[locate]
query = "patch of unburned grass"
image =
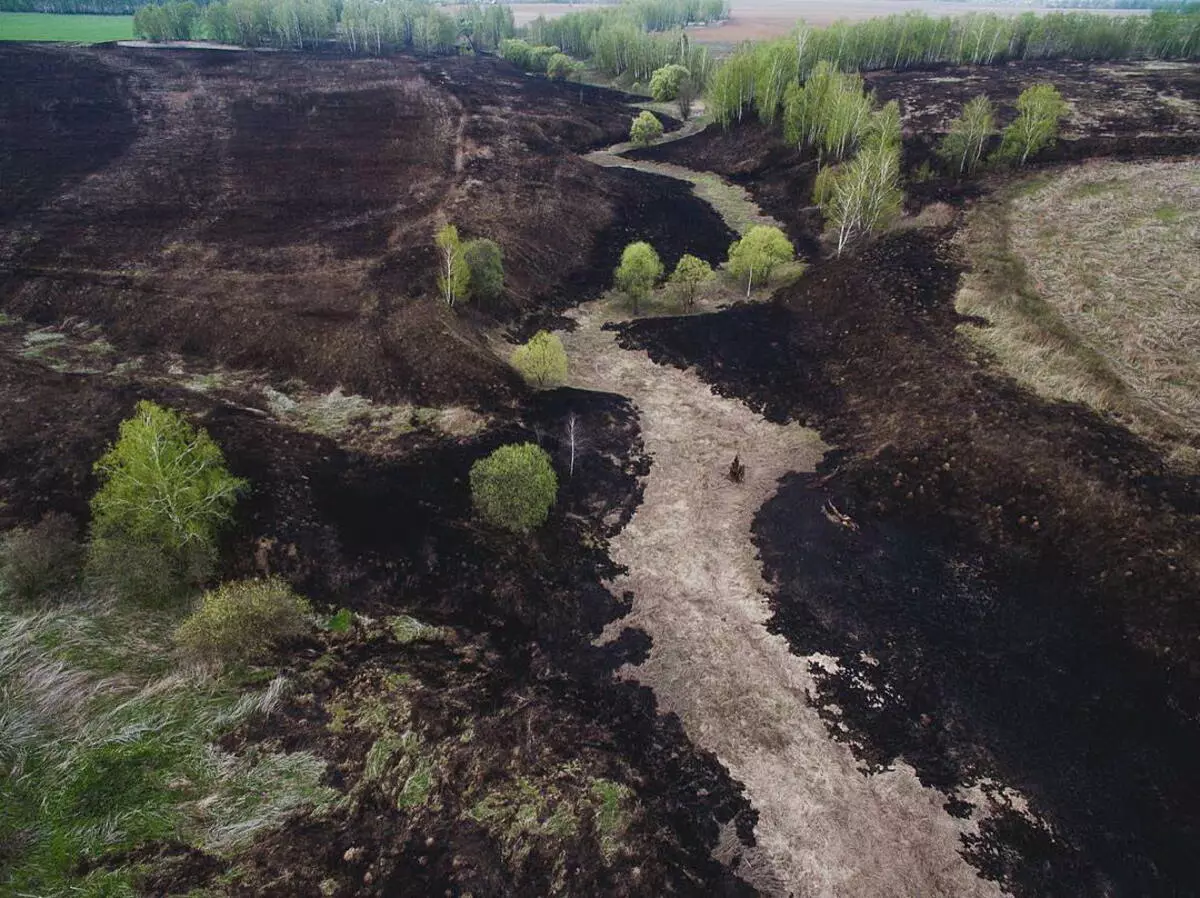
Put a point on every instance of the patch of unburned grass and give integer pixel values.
(34, 26)
(1090, 283)
(105, 745)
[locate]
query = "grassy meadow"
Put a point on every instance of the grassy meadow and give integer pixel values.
(36, 26)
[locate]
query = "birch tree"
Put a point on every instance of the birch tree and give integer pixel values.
(862, 196)
(758, 253)
(455, 275)
(1041, 110)
(962, 147)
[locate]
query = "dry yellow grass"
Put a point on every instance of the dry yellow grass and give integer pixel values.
(1091, 283)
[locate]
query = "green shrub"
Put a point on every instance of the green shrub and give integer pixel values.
(164, 487)
(485, 265)
(559, 67)
(638, 272)
(646, 129)
(690, 274)
(542, 361)
(243, 621)
(665, 82)
(40, 560)
(514, 487)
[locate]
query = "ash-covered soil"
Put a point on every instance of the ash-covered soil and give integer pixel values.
(510, 691)
(277, 211)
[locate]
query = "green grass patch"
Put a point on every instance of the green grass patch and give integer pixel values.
(106, 745)
(1168, 214)
(36, 26)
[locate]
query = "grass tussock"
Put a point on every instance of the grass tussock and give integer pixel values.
(1089, 283)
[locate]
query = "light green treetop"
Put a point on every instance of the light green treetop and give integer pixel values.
(514, 487)
(758, 253)
(639, 270)
(542, 361)
(689, 275)
(646, 128)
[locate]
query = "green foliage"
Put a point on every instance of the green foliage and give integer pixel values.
(514, 487)
(485, 266)
(379, 26)
(39, 561)
(271, 23)
(243, 621)
(542, 361)
(1041, 110)
(341, 622)
(527, 56)
(407, 629)
(178, 21)
(638, 272)
(105, 745)
(758, 253)
(646, 128)
(690, 274)
(560, 67)
(665, 82)
(164, 490)
(963, 144)
(862, 196)
(454, 277)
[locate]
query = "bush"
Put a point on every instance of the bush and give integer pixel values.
(646, 129)
(485, 264)
(243, 621)
(39, 560)
(514, 487)
(559, 67)
(665, 82)
(542, 361)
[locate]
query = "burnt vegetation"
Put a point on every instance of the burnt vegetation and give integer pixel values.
(309, 265)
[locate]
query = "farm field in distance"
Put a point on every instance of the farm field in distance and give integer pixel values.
(419, 480)
(81, 29)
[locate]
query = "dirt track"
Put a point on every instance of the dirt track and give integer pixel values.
(824, 829)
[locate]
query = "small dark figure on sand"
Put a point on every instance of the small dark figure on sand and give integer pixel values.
(737, 470)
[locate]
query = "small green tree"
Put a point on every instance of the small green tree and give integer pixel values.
(963, 144)
(689, 276)
(514, 487)
(638, 272)
(665, 82)
(1041, 110)
(455, 277)
(243, 621)
(685, 97)
(758, 253)
(542, 361)
(559, 67)
(485, 264)
(165, 489)
(646, 129)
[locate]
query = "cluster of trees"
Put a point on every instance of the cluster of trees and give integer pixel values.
(1040, 110)
(472, 269)
(757, 75)
(366, 26)
(530, 57)
(617, 41)
(753, 259)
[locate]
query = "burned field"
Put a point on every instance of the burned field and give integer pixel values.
(991, 588)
